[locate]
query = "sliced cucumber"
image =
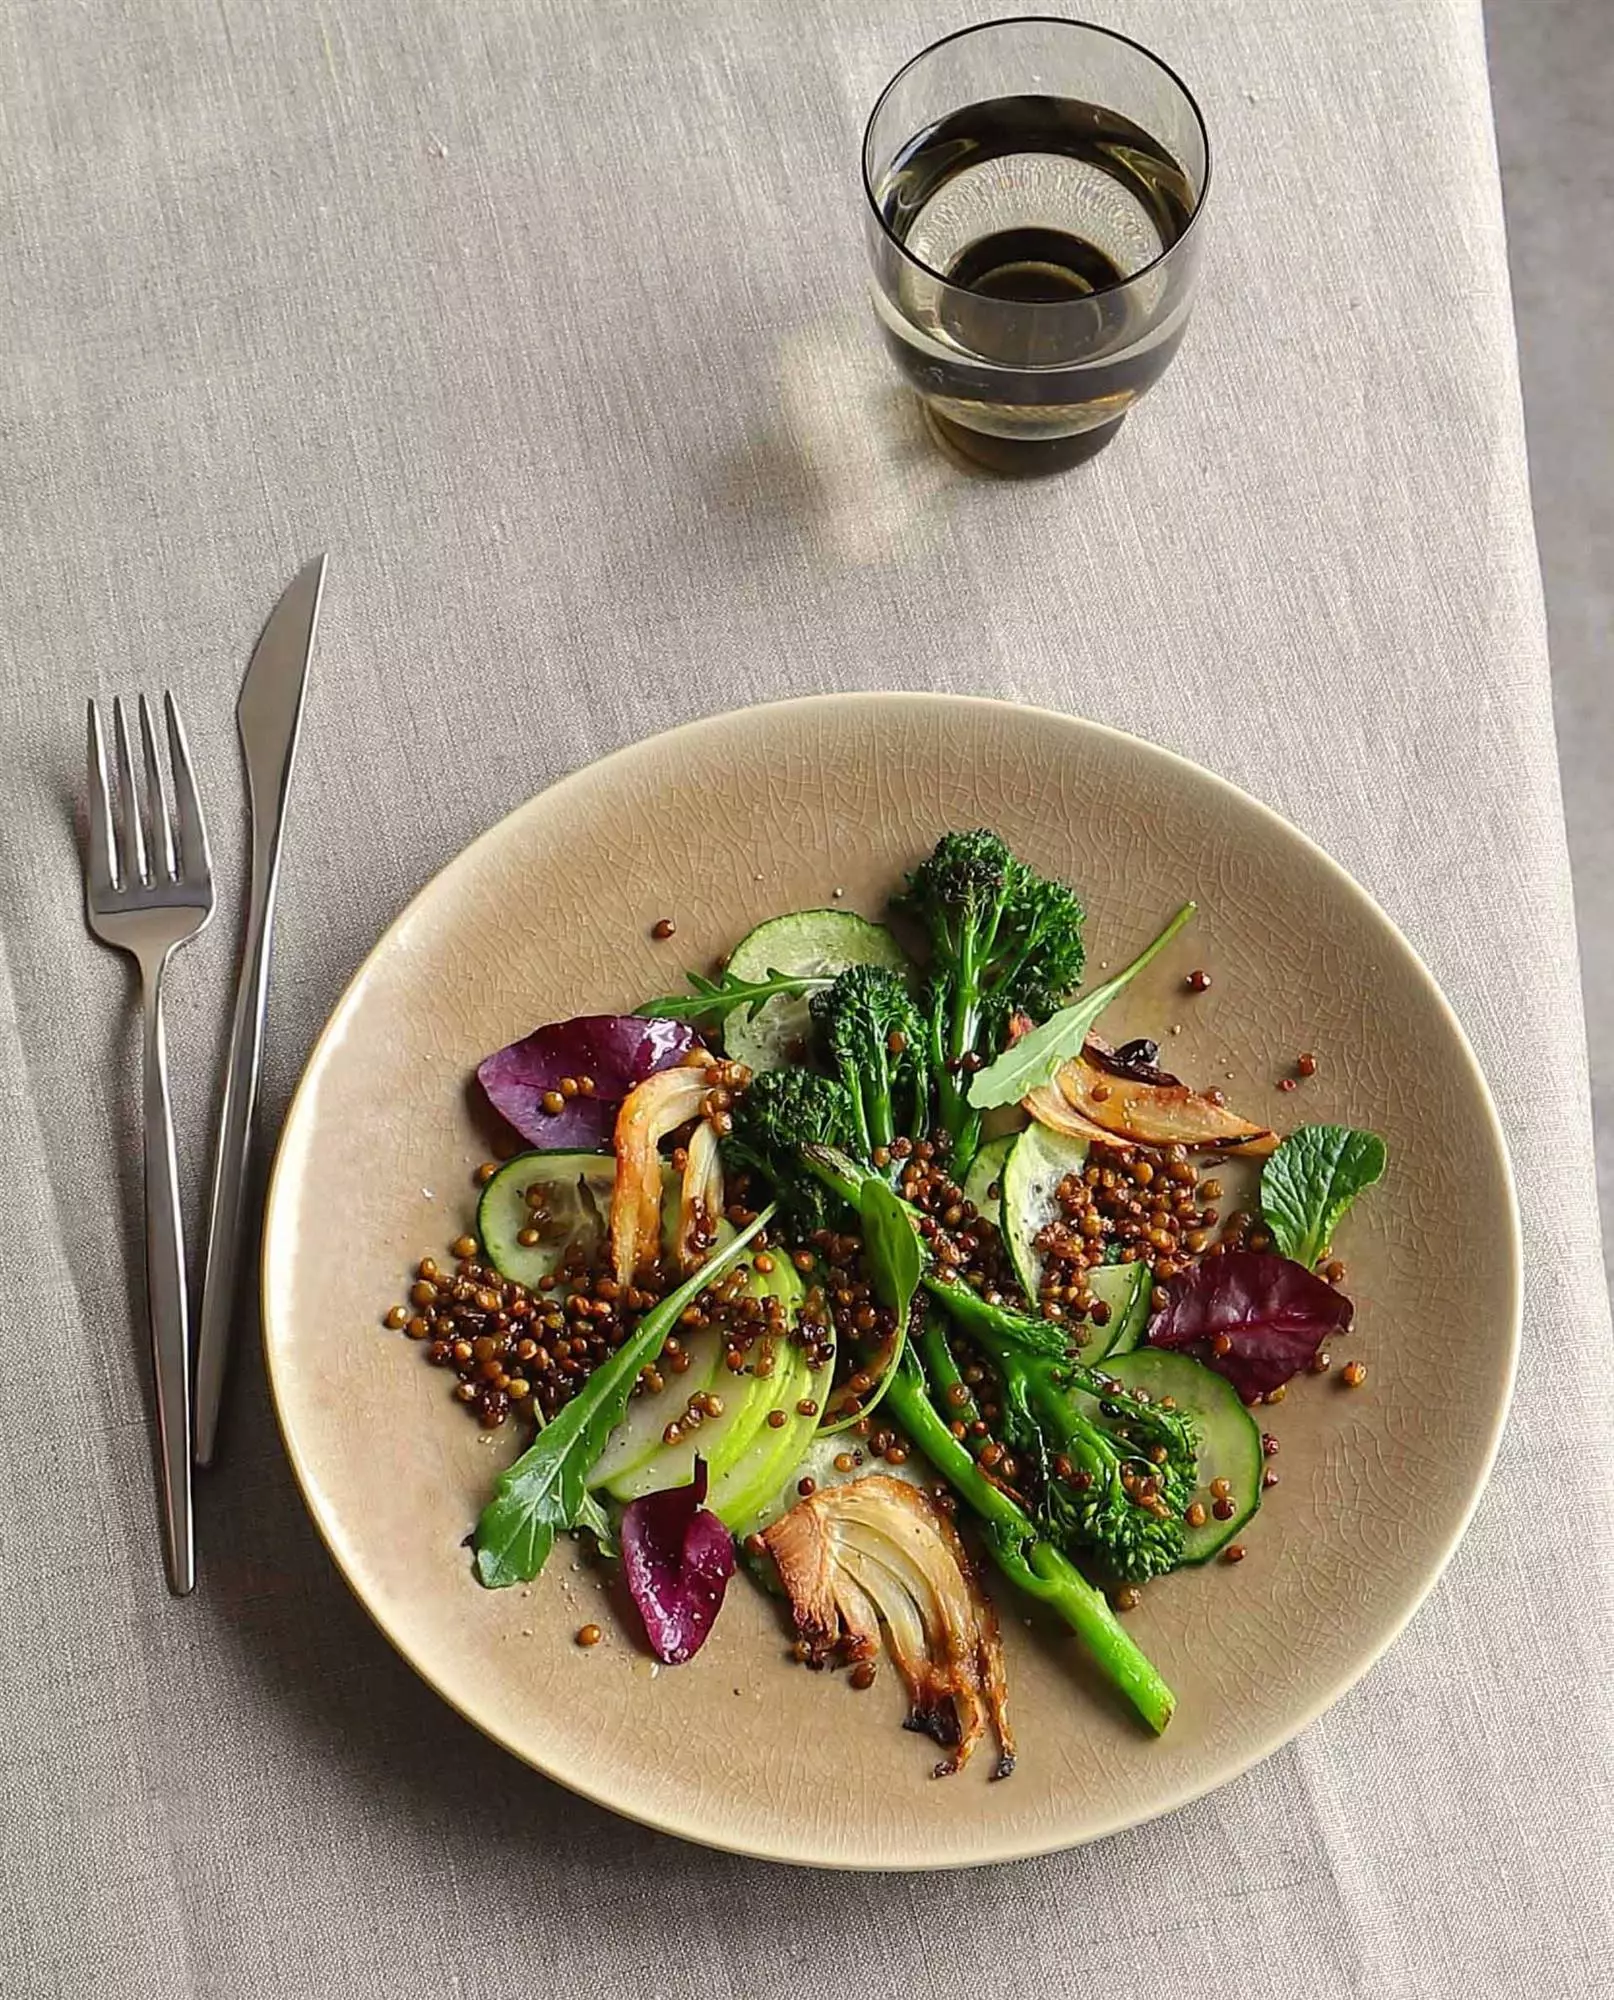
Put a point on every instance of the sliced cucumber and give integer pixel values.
(805, 944)
(1126, 1289)
(577, 1201)
(1038, 1161)
(983, 1184)
(1229, 1436)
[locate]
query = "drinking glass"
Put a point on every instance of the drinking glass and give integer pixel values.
(1035, 189)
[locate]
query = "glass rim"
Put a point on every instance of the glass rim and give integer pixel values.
(1051, 21)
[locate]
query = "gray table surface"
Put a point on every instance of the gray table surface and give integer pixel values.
(545, 319)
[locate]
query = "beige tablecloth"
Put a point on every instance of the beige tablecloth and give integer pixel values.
(545, 318)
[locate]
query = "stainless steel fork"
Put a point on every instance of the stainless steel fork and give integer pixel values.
(146, 892)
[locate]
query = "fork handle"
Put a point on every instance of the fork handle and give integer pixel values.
(165, 1303)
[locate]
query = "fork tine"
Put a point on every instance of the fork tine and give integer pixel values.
(103, 847)
(133, 844)
(195, 864)
(162, 832)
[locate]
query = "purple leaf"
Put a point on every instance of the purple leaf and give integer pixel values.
(678, 1559)
(615, 1050)
(1275, 1313)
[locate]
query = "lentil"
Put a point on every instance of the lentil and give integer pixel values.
(589, 1635)
(1233, 1553)
(1198, 980)
(1353, 1374)
(662, 929)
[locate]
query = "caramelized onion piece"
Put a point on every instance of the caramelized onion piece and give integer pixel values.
(877, 1559)
(649, 1112)
(1136, 1110)
(700, 1196)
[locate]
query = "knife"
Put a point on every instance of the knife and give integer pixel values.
(268, 713)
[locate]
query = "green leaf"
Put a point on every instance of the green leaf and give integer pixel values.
(1031, 1062)
(1309, 1183)
(896, 1262)
(891, 1244)
(593, 1517)
(544, 1492)
(710, 1002)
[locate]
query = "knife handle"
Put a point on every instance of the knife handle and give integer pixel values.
(231, 1166)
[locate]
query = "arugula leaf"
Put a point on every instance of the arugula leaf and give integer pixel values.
(1311, 1180)
(710, 1002)
(1030, 1062)
(592, 1516)
(544, 1492)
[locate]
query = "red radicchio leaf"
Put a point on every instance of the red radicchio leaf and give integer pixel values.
(1273, 1310)
(616, 1050)
(678, 1559)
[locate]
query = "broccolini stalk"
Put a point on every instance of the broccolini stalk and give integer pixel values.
(1116, 1473)
(1029, 1562)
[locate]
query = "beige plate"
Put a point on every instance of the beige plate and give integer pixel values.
(722, 823)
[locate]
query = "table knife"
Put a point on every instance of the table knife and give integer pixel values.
(269, 714)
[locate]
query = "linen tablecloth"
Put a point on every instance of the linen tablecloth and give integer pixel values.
(546, 320)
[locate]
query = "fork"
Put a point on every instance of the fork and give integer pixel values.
(148, 887)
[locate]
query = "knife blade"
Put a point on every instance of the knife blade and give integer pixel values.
(269, 713)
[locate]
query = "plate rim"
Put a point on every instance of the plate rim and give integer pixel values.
(672, 1823)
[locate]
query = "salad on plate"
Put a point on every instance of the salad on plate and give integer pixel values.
(868, 1269)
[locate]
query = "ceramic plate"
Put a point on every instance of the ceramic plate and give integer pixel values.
(719, 824)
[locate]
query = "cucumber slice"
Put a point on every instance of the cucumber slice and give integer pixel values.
(1037, 1163)
(1126, 1289)
(986, 1173)
(1229, 1436)
(805, 944)
(578, 1202)
(579, 1206)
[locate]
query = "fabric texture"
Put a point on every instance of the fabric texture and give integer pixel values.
(546, 319)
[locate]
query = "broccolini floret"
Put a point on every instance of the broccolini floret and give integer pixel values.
(874, 1037)
(779, 1113)
(1002, 938)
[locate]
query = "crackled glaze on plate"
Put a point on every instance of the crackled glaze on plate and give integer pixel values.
(719, 824)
